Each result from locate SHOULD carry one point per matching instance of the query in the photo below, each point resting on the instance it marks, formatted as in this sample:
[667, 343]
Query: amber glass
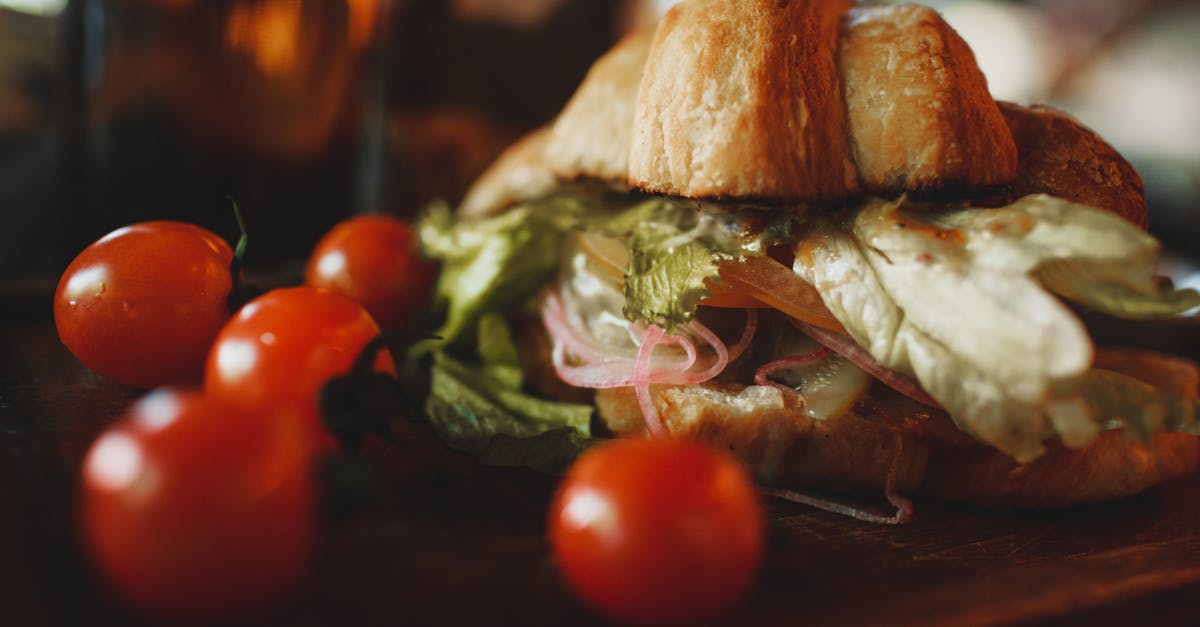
[179, 104]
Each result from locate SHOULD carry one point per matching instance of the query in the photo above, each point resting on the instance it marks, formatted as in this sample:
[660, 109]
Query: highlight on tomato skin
[191, 509]
[374, 259]
[282, 347]
[142, 304]
[657, 531]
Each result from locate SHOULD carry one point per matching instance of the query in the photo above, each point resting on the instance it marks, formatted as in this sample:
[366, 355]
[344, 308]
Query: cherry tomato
[142, 304]
[191, 509]
[657, 531]
[373, 259]
[282, 347]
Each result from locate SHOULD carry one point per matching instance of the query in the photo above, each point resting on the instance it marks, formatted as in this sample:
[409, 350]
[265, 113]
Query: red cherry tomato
[657, 531]
[142, 304]
[373, 259]
[282, 347]
[191, 509]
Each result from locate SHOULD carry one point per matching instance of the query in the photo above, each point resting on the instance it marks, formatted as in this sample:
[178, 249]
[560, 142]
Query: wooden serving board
[445, 541]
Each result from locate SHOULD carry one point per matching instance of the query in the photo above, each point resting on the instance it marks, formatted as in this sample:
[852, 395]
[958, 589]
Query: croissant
[843, 114]
[880, 99]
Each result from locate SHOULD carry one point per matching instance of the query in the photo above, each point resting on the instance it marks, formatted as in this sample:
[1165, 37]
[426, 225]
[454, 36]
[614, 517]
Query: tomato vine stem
[241, 292]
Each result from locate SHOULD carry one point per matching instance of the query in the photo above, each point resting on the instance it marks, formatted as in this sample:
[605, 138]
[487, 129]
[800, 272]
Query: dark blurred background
[305, 111]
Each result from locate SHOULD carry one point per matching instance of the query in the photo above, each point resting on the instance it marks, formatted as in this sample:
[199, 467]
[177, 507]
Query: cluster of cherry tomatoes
[202, 500]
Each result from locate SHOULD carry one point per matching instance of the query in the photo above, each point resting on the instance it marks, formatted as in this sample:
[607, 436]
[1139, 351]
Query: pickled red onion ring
[718, 347]
[641, 381]
[760, 375]
[585, 363]
[615, 373]
[747, 336]
[598, 369]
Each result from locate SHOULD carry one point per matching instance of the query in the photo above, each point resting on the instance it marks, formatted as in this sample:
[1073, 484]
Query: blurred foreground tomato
[373, 259]
[282, 347]
[193, 510]
[142, 304]
[657, 531]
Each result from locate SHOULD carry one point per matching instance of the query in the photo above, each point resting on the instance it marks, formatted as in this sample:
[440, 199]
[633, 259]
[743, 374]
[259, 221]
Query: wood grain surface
[445, 541]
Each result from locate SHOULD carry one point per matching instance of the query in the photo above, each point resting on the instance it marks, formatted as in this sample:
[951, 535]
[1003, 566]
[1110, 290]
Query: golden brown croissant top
[812, 101]
[806, 101]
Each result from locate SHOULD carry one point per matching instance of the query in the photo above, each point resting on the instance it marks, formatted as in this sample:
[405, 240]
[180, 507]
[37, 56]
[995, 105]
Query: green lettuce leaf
[501, 363]
[1123, 290]
[1140, 407]
[666, 286]
[1085, 255]
[675, 249]
[958, 300]
[481, 409]
[489, 265]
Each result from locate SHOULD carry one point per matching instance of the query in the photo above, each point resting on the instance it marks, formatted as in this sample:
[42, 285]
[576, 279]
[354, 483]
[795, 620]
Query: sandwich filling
[967, 310]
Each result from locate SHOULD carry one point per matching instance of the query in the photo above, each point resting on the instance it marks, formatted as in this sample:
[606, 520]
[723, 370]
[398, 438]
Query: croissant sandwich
[805, 232]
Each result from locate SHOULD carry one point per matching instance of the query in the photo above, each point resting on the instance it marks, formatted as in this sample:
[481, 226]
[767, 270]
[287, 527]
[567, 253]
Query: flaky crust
[1057, 155]
[809, 101]
[742, 98]
[919, 112]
